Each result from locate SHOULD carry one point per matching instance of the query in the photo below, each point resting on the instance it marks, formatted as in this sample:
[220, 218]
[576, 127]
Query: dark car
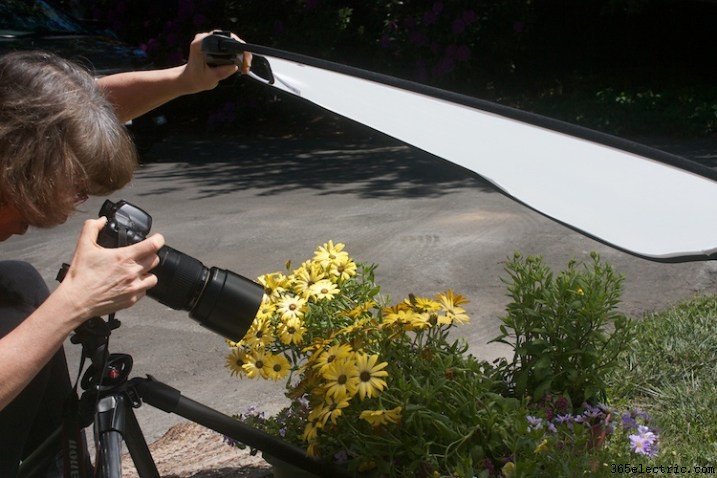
[40, 25]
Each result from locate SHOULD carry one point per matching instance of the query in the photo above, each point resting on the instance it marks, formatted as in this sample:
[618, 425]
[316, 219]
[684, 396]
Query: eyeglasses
[80, 198]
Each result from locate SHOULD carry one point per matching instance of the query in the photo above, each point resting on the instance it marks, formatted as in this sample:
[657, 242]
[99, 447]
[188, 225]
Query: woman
[61, 139]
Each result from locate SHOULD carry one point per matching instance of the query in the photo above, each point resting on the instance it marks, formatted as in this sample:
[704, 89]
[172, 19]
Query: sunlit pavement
[251, 205]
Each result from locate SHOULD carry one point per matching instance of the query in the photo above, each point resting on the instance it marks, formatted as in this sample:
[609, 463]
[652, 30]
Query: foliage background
[628, 67]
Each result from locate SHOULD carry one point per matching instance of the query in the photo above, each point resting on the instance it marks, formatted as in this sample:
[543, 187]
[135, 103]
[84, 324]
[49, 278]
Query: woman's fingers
[105, 280]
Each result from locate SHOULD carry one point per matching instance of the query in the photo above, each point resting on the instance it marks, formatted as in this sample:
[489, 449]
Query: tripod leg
[170, 400]
[114, 423]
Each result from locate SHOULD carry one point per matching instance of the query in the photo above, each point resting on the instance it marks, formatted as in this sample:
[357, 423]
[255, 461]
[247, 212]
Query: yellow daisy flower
[307, 275]
[323, 289]
[335, 352]
[256, 364]
[361, 309]
[330, 254]
[235, 360]
[266, 309]
[291, 307]
[341, 378]
[316, 347]
[311, 430]
[274, 284]
[292, 331]
[259, 334]
[399, 318]
[421, 304]
[313, 450]
[334, 406]
[277, 367]
[342, 270]
[381, 417]
[369, 374]
[450, 303]
[449, 300]
[418, 321]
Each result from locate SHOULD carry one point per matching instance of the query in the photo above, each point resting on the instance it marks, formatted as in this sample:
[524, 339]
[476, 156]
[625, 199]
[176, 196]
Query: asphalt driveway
[250, 205]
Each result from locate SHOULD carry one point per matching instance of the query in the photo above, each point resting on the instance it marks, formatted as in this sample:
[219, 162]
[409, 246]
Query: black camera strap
[79, 413]
[122, 236]
[75, 454]
[74, 447]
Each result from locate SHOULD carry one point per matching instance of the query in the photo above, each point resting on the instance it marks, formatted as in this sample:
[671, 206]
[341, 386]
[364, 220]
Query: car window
[18, 17]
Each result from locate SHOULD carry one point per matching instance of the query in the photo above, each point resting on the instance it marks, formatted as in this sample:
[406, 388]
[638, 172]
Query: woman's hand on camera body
[101, 280]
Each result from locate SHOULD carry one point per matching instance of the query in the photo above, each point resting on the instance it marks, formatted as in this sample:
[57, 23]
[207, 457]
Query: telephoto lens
[220, 300]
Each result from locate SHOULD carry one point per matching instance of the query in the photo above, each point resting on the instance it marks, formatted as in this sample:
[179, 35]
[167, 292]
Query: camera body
[220, 300]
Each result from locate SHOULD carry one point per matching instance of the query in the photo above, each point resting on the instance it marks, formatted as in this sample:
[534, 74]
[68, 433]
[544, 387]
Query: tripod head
[106, 371]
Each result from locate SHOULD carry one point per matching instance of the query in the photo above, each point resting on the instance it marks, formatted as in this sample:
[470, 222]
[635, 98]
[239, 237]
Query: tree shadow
[368, 169]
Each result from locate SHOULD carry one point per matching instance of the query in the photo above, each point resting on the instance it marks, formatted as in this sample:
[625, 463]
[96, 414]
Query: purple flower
[643, 415]
[593, 413]
[639, 444]
[534, 423]
[644, 442]
[628, 422]
[564, 419]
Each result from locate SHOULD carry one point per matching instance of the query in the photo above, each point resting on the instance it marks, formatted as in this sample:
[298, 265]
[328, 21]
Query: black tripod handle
[170, 400]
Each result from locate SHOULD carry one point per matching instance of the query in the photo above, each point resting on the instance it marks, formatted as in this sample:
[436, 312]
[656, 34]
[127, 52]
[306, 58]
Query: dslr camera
[220, 300]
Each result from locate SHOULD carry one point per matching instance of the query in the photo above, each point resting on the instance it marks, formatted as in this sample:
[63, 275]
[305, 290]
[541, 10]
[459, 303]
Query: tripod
[108, 400]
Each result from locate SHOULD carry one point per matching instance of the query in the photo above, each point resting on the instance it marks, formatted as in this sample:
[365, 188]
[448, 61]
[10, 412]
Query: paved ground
[248, 206]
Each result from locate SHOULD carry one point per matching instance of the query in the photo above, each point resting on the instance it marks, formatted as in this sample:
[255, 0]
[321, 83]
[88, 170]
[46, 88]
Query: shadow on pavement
[221, 165]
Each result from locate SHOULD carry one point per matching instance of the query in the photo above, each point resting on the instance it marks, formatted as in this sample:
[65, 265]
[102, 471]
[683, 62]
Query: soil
[189, 450]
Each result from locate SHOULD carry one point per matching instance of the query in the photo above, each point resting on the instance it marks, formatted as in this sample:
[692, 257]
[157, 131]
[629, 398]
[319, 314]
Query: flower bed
[385, 388]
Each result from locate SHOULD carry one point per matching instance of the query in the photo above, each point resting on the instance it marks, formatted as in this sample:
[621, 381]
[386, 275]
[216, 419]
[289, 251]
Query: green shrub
[565, 331]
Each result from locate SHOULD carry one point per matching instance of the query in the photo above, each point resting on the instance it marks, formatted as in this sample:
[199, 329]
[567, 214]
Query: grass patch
[671, 372]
